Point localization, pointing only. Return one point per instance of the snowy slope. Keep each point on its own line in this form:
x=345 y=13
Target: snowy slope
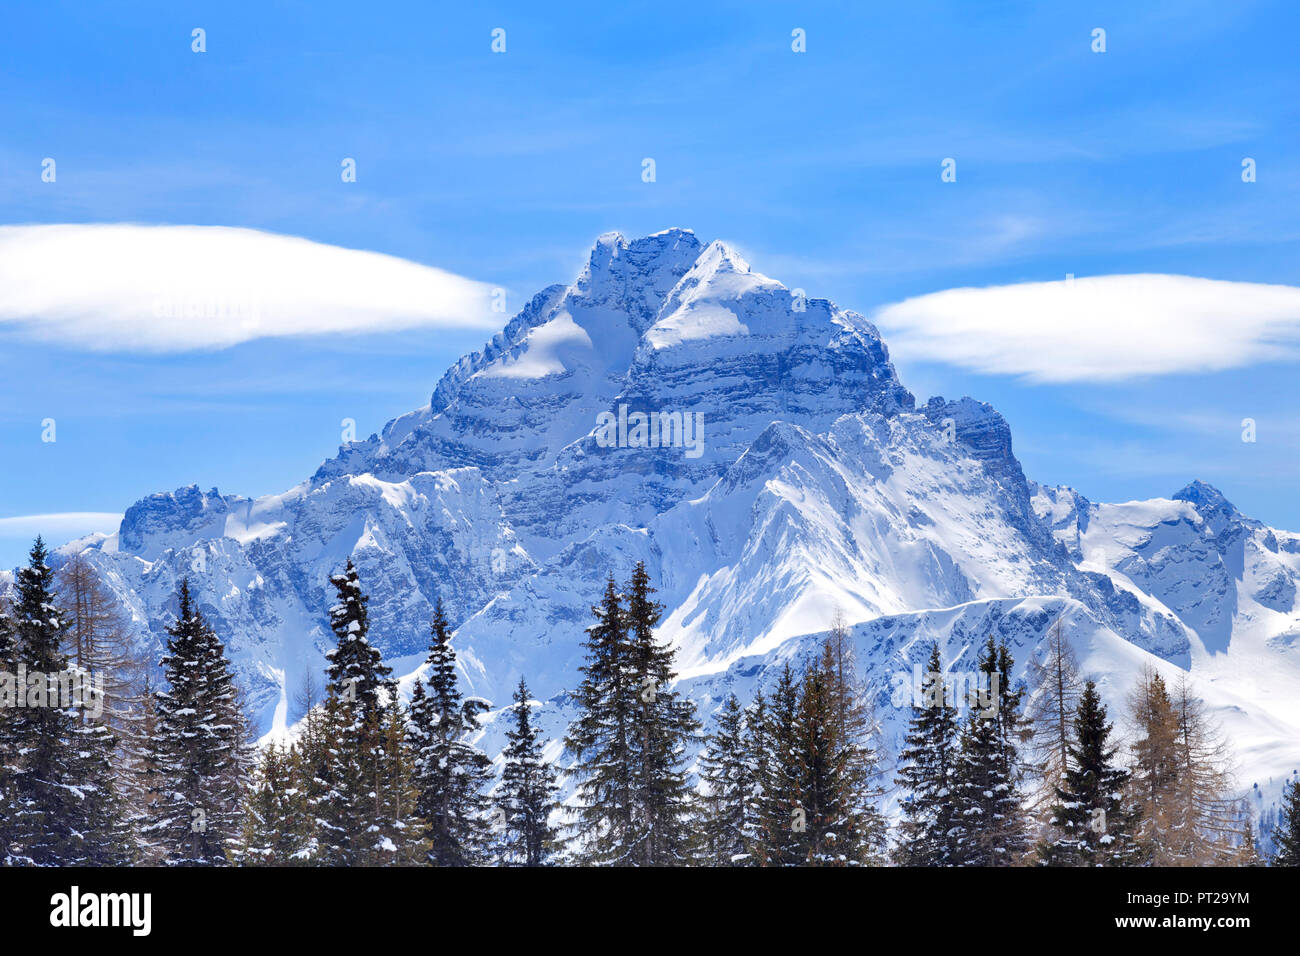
x=819 y=484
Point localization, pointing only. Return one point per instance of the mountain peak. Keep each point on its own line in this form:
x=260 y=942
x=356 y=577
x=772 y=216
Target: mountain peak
x=1207 y=499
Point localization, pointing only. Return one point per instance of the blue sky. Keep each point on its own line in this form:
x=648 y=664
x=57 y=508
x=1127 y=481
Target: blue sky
x=821 y=167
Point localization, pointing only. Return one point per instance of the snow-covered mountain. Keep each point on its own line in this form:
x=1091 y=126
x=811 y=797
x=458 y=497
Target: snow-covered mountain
x=801 y=477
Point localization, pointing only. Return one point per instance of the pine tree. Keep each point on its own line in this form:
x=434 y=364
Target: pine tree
x=662 y=727
x=526 y=796
x=65 y=809
x=599 y=739
x=450 y=772
x=1287 y=835
x=988 y=802
x=1093 y=822
x=724 y=837
x=930 y=826
x=201 y=748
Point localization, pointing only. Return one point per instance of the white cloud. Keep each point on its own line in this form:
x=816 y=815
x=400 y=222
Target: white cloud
x=59 y=525
x=174 y=288
x=1098 y=328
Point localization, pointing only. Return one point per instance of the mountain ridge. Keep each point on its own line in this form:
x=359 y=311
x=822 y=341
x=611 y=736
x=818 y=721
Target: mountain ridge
x=822 y=485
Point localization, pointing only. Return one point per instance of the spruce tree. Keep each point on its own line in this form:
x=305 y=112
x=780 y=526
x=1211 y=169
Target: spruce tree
x=991 y=826
x=782 y=816
x=275 y=812
x=599 y=739
x=758 y=771
x=663 y=725
x=450 y=772
x=930 y=825
x=865 y=832
x=356 y=672
x=201 y=755
x=397 y=832
x=357 y=768
x=823 y=770
x=1092 y=822
x=1287 y=835
x=724 y=833
x=526 y=796
x=66 y=810
x=8 y=746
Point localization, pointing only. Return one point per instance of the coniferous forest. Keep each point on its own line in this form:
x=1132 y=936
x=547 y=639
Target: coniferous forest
x=1041 y=772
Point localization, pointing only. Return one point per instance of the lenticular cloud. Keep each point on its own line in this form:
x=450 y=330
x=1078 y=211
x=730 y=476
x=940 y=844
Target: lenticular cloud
x=176 y=288
x=1101 y=328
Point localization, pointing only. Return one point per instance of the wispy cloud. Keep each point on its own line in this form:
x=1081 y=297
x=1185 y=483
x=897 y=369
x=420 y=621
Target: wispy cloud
x=142 y=288
x=1100 y=328
x=59 y=526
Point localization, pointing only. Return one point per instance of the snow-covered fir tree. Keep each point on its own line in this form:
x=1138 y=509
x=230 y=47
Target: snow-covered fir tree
x=1094 y=820
x=356 y=671
x=991 y=825
x=65 y=810
x=354 y=768
x=275 y=813
x=451 y=774
x=201 y=751
x=927 y=773
x=526 y=795
x=8 y=749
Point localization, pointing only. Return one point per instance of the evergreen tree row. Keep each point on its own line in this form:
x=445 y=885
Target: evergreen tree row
x=165 y=771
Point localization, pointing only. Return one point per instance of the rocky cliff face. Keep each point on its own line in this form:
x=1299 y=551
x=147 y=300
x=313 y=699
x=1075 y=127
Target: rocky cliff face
x=809 y=480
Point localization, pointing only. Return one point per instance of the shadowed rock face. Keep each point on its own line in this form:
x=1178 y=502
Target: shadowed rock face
x=818 y=484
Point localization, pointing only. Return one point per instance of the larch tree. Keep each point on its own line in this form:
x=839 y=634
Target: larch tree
x=1157 y=765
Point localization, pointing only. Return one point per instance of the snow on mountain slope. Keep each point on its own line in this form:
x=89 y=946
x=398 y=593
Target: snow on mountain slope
x=815 y=482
